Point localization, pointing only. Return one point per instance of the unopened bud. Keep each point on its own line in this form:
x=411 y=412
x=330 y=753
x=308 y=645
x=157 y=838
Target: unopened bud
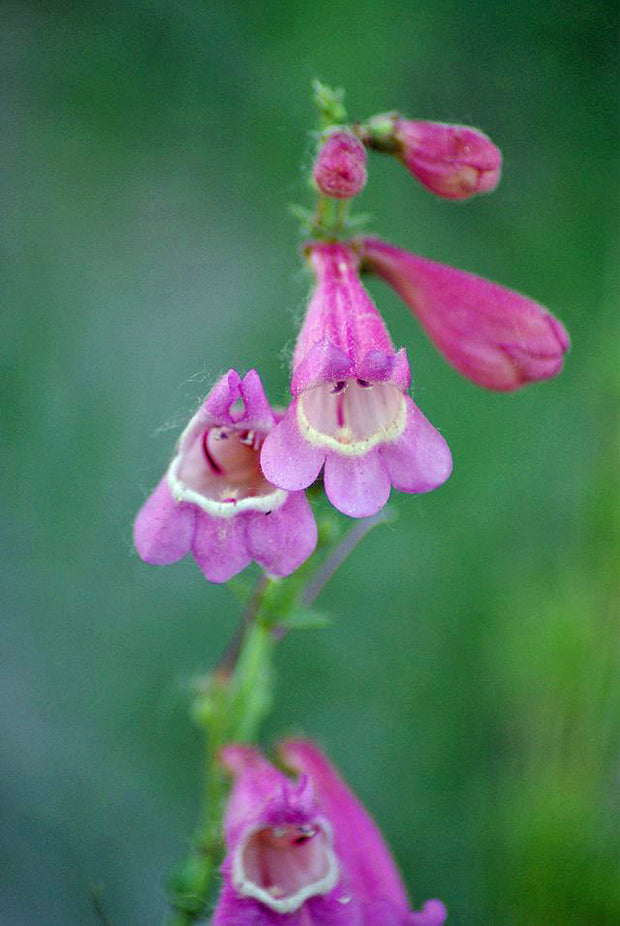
x=453 y=161
x=340 y=168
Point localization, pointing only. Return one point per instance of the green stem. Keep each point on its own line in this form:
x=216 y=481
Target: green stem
x=231 y=704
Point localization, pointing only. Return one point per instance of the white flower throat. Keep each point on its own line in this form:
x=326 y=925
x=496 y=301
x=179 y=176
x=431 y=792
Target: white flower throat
x=284 y=866
x=351 y=416
x=220 y=471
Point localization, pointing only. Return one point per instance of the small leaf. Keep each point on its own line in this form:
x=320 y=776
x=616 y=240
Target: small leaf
x=305 y=619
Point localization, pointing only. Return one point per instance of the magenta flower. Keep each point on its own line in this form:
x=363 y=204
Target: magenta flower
x=340 y=168
x=306 y=853
x=453 y=161
x=350 y=411
x=215 y=501
x=492 y=335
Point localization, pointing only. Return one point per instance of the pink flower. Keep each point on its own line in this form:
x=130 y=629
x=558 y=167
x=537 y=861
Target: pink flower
x=492 y=335
x=215 y=501
x=306 y=853
x=350 y=411
x=340 y=168
x=453 y=161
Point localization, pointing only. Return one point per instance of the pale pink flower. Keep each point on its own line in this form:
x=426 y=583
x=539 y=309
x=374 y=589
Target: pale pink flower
x=214 y=499
x=492 y=335
x=350 y=410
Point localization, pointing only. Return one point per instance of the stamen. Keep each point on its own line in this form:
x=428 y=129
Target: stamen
x=339 y=387
x=364 y=383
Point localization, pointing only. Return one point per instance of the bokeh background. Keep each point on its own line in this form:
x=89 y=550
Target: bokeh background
x=469 y=688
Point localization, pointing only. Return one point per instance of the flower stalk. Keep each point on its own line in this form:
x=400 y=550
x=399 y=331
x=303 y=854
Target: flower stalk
x=232 y=702
x=240 y=488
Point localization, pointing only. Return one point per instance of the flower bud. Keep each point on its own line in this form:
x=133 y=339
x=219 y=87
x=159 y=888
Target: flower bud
x=495 y=337
x=340 y=168
x=453 y=161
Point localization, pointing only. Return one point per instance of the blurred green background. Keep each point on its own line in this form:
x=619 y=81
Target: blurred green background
x=470 y=687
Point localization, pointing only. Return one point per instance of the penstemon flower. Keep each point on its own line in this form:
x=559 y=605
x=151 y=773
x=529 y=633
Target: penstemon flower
x=490 y=334
x=306 y=853
x=350 y=411
x=215 y=501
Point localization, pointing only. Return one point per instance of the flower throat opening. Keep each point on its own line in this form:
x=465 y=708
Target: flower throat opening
x=283 y=866
x=352 y=415
x=223 y=465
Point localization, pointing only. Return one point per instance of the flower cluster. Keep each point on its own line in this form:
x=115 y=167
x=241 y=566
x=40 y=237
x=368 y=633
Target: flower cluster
x=234 y=490
x=305 y=852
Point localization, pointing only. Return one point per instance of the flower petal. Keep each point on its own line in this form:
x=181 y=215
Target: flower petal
x=336 y=909
x=224 y=394
x=322 y=364
x=164 y=529
x=282 y=540
x=256 y=781
x=433 y=913
x=288 y=460
x=220 y=546
x=257 y=412
x=378 y=367
x=420 y=460
x=357 y=486
x=357 y=839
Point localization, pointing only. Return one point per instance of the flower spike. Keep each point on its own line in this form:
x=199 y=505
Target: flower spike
x=214 y=499
x=350 y=411
x=492 y=335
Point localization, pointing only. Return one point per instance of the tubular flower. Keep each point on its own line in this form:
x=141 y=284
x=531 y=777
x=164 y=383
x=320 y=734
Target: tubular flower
x=350 y=411
x=453 y=161
x=306 y=853
x=492 y=335
x=214 y=499
x=340 y=168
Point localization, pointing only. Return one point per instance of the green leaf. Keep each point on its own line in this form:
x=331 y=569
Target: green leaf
x=305 y=619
